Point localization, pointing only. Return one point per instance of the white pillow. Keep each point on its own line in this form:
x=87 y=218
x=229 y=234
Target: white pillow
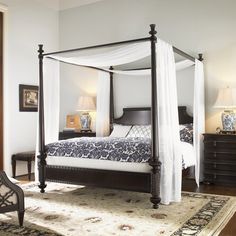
x=120 y=130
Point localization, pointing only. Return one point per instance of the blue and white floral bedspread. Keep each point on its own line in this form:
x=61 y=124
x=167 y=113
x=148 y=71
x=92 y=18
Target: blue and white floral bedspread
x=105 y=148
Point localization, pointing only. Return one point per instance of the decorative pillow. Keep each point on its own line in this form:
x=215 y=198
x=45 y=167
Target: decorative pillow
x=143 y=131
x=120 y=130
x=186 y=133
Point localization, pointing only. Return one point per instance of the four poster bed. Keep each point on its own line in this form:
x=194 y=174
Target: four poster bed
x=133 y=179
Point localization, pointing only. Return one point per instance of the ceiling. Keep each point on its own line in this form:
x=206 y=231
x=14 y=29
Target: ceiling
x=65 y=4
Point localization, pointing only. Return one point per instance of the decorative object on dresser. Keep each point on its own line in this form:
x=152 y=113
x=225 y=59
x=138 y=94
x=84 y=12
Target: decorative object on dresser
x=67 y=134
x=72 y=123
x=11 y=197
x=220 y=159
x=23 y=156
x=28 y=97
x=86 y=104
x=226 y=99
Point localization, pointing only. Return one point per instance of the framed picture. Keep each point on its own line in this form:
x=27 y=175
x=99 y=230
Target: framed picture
x=72 y=121
x=28 y=97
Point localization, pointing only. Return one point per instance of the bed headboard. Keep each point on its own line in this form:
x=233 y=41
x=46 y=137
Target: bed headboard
x=142 y=116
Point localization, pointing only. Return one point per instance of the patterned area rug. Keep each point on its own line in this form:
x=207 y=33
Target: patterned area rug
x=73 y=211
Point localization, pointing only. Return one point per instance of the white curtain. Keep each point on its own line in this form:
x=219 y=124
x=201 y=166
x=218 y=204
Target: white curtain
x=115 y=56
x=198 y=119
x=168 y=125
x=181 y=65
x=103 y=105
x=51 y=105
x=51 y=100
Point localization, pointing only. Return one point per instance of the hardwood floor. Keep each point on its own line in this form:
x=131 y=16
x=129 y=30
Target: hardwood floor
x=190 y=186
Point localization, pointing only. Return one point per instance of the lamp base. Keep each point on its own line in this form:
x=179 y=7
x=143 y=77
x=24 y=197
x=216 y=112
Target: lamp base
x=228 y=121
x=85 y=121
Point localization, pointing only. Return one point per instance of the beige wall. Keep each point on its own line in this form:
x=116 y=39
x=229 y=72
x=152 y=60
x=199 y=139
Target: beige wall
x=220 y=67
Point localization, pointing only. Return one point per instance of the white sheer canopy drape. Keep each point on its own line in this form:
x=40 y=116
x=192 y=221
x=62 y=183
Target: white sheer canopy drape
x=168 y=125
x=51 y=85
x=198 y=119
x=114 y=57
x=103 y=105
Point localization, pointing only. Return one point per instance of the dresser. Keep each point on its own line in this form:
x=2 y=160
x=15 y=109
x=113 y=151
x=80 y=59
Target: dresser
x=220 y=159
x=70 y=134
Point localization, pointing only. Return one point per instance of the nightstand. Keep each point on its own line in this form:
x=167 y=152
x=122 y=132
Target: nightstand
x=220 y=159
x=69 y=134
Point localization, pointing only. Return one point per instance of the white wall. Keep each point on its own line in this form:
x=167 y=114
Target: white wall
x=75 y=81
x=194 y=26
x=27 y=25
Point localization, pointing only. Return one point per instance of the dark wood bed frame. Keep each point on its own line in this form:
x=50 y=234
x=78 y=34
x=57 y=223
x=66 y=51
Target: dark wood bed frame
x=141 y=182
x=133 y=181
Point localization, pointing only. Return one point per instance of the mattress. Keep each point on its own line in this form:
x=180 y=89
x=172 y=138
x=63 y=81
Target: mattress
x=186 y=149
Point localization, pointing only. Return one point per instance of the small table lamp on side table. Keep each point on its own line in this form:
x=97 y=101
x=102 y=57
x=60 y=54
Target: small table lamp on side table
x=86 y=104
x=226 y=99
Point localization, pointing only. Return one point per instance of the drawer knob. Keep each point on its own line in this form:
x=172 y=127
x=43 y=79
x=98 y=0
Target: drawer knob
x=214 y=176
x=214 y=143
x=214 y=154
x=214 y=165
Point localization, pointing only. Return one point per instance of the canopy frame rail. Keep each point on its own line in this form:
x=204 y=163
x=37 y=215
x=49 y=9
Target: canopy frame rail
x=99 y=46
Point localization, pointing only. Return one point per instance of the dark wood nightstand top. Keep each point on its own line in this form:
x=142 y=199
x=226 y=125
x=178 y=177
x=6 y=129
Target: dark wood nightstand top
x=219 y=137
x=75 y=134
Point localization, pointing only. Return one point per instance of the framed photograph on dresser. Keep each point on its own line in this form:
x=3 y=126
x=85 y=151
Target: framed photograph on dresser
x=28 y=98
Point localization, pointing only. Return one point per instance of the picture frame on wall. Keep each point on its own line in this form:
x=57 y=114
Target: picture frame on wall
x=28 y=98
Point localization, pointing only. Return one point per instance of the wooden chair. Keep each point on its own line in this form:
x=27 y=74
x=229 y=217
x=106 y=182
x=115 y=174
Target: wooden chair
x=11 y=197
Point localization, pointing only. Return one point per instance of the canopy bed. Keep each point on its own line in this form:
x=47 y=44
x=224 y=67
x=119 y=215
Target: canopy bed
x=163 y=116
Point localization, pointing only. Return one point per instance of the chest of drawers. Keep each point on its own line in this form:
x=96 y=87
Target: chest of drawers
x=220 y=159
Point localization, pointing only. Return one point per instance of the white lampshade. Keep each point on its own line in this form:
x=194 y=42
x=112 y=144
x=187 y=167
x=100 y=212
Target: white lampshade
x=226 y=98
x=86 y=103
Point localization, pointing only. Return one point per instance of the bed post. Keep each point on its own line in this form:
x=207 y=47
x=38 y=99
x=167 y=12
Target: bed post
x=154 y=160
x=42 y=153
x=111 y=100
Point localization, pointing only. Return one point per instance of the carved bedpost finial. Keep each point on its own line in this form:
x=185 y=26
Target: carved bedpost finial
x=200 y=57
x=153 y=32
x=40 y=51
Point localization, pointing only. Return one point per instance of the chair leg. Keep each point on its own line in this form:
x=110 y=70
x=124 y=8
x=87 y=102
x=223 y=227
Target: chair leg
x=21 y=217
x=14 y=168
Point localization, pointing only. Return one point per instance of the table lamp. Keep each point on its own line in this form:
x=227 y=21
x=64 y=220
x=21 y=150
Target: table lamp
x=226 y=99
x=86 y=104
